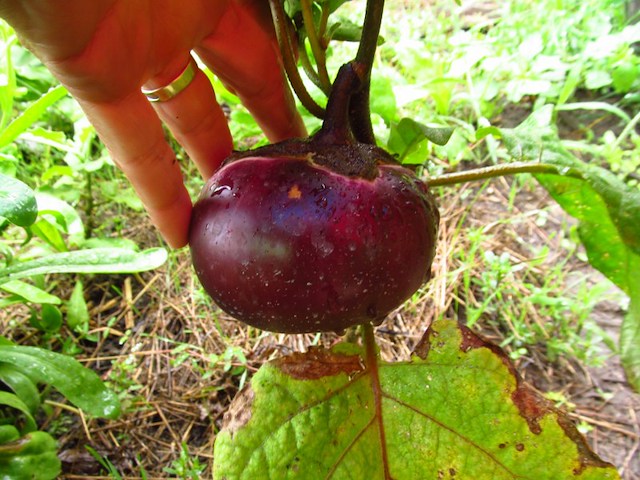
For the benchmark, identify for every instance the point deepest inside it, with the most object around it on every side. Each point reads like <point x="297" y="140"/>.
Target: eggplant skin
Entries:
<point x="287" y="245"/>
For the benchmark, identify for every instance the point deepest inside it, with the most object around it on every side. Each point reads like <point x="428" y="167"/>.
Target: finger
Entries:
<point x="243" y="54"/>
<point x="197" y="121"/>
<point x="132" y="132"/>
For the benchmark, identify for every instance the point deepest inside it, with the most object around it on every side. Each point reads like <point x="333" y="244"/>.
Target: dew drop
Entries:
<point x="323" y="246"/>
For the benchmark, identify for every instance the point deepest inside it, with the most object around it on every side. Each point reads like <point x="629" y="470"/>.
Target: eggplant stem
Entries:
<point x="360" y="110"/>
<point x="337" y="127"/>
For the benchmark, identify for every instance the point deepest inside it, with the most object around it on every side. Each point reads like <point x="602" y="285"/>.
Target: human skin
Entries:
<point x="104" y="51"/>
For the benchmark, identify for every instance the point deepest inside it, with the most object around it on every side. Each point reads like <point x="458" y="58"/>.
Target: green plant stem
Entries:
<point x="360" y="110"/>
<point x="308" y="68"/>
<point x="500" y="171"/>
<point x="322" y="29"/>
<point x="627" y="131"/>
<point x="371" y="361"/>
<point x="316" y="46"/>
<point x="288" y="58"/>
<point x="90" y="206"/>
<point x="370" y="33"/>
<point x="63" y="406"/>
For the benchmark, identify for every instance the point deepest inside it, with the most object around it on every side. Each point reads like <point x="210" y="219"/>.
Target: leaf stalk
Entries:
<point x="372" y="365"/>
<point x="316" y="46"/>
<point x="360" y="104"/>
<point x="501" y="171"/>
<point x="280" y="22"/>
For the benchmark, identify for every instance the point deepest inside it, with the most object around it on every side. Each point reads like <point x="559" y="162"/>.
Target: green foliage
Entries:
<point x="80" y="385"/>
<point x="455" y="410"/>
<point x="533" y="312"/>
<point x="185" y="466"/>
<point x="105" y="463"/>
<point x="30" y="457"/>
<point x="25" y="452"/>
<point x="608" y="211"/>
<point x="409" y="140"/>
<point x="17" y="202"/>
<point x="468" y="74"/>
<point x="30" y="115"/>
<point x="77" y="311"/>
<point x="109" y="467"/>
<point x="95" y="260"/>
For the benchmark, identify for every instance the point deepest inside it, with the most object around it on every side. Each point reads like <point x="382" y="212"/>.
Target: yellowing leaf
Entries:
<point x="455" y="411"/>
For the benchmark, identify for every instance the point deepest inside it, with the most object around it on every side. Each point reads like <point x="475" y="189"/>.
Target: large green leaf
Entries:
<point x="32" y="457"/>
<point x="80" y="385"/>
<point x="94" y="260"/>
<point x="17" y="201"/>
<point x="456" y="410"/>
<point x="608" y="212"/>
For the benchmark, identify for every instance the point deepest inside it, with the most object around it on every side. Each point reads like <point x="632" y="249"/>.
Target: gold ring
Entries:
<point x="167" y="92"/>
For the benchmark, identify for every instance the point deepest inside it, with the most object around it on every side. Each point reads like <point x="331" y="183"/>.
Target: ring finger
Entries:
<point x="195" y="118"/>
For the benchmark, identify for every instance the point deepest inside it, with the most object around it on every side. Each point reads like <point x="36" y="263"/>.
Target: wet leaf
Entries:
<point x="608" y="212"/>
<point x="17" y="201"/>
<point x="13" y="401"/>
<point x="77" y="310"/>
<point x="95" y="260"/>
<point x="456" y="410"/>
<point x="50" y="233"/>
<point x="49" y="320"/>
<point x="80" y="385"/>
<point x="8" y="433"/>
<point x="28" y="292"/>
<point x="66" y="216"/>
<point x="32" y="457"/>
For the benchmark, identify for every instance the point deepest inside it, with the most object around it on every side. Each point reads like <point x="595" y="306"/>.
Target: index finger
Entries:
<point x="245" y="56"/>
<point x="132" y="133"/>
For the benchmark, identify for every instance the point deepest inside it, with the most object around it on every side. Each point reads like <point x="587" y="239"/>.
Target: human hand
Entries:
<point x="104" y="51"/>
